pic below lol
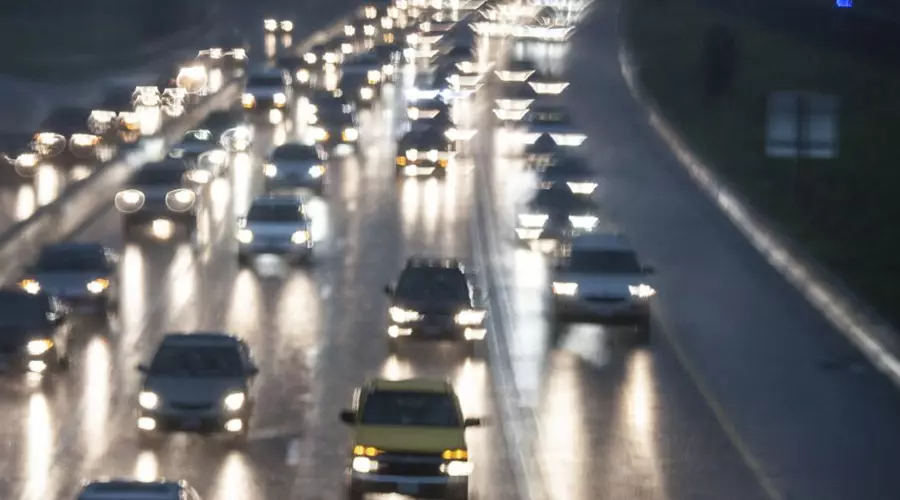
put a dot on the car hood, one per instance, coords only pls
(394, 438)
(205, 390)
(602, 285)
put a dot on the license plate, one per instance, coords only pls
(432, 330)
(191, 423)
(407, 488)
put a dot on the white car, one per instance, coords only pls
(276, 225)
(601, 281)
(552, 120)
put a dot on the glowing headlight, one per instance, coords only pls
(388, 69)
(533, 220)
(248, 100)
(350, 134)
(387, 23)
(148, 400)
(470, 317)
(366, 93)
(199, 176)
(432, 155)
(98, 285)
(374, 76)
(400, 315)
(26, 160)
(270, 24)
(239, 54)
(180, 200)
(130, 200)
(583, 221)
(369, 30)
(300, 237)
(458, 468)
(270, 170)
(310, 58)
(346, 48)
(568, 289)
(316, 171)
(84, 140)
(102, 117)
(31, 286)
(279, 99)
(582, 187)
(47, 138)
(371, 12)
(364, 465)
(319, 133)
(302, 75)
(235, 401)
(330, 58)
(287, 26)
(216, 157)
(412, 154)
(641, 291)
(245, 236)
(349, 30)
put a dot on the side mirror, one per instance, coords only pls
(143, 368)
(348, 416)
(648, 269)
(472, 422)
(388, 290)
(253, 370)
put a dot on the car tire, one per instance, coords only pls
(642, 332)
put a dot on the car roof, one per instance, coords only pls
(423, 384)
(74, 247)
(601, 241)
(200, 339)
(122, 489)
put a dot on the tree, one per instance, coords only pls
(719, 60)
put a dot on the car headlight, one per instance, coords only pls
(457, 468)
(582, 187)
(364, 465)
(319, 133)
(245, 236)
(567, 289)
(270, 24)
(412, 154)
(180, 200)
(98, 285)
(316, 171)
(235, 401)
(470, 317)
(349, 30)
(38, 346)
(642, 291)
(248, 100)
(279, 99)
(310, 58)
(84, 140)
(300, 237)
(199, 176)
(302, 75)
(350, 134)
(374, 76)
(388, 69)
(533, 220)
(216, 157)
(129, 200)
(387, 23)
(346, 48)
(287, 26)
(400, 315)
(148, 400)
(30, 285)
(432, 155)
(583, 221)
(270, 170)
(27, 160)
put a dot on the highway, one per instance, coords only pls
(744, 393)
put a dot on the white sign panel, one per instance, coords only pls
(802, 125)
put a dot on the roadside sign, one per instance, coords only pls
(802, 125)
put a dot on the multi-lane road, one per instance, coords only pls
(744, 393)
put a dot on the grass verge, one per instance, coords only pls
(847, 211)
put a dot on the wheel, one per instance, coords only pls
(642, 332)
(355, 491)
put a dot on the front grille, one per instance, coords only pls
(605, 300)
(192, 406)
(410, 464)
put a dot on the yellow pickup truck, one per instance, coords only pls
(409, 437)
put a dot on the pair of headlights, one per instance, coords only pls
(641, 291)
(466, 317)
(96, 286)
(299, 237)
(233, 401)
(132, 200)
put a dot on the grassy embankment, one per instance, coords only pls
(848, 211)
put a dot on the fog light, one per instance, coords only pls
(234, 425)
(37, 366)
(146, 423)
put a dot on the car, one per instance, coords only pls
(294, 166)
(423, 153)
(268, 91)
(203, 155)
(132, 489)
(513, 102)
(84, 276)
(64, 139)
(115, 116)
(601, 280)
(361, 78)
(408, 437)
(229, 129)
(388, 55)
(433, 28)
(34, 331)
(278, 26)
(193, 144)
(545, 84)
(158, 198)
(433, 299)
(517, 70)
(335, 125)
(315, 55)
(429, 114)
(553, 216)
(553, 120)
(197, 382)
(17, 156)
(572, 172)
(231, 58)
(276, 224)
(362, 29)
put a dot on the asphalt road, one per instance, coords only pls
(746, 391)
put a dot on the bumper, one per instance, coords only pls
(624, 312)
(199, 422)
(417, 486)
(435, 332)
(280, 248)
(142, 218)
(274, 183)
(421, 168)
(87, 302)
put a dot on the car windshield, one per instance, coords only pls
(560, 199)
(265, 81)
(150, 176)
(428, 139)
(295, 152)
(333, 114)
(549, 116)
(197, 361)
(408, 408)
(274, 213)
(433, 283)
(19, 308)
(603, 261)
(61, 259)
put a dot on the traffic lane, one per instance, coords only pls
(743, 327)
(75, 425)
(611, 416)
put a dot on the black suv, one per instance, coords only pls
(434, 300)
(34, 331)
(159, 199)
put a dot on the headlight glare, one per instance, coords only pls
(148, 400)
(39, 346)
(470, 317)
(235, 401)
(129, 200)
(567, 289)
(98, 285)
(316, 171)
(245, 236)
(350, 134)
(642, 291)
(533, 220)
(400, 315)
(300, 237)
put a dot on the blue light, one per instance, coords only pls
(843, 4)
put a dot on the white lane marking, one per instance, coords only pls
(292, 455)
(326, 291)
